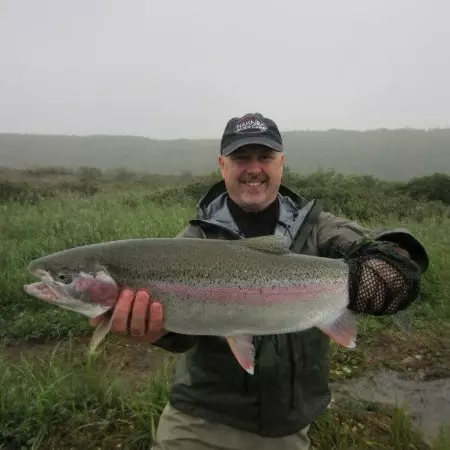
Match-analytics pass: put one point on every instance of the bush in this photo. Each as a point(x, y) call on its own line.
point(430, 188)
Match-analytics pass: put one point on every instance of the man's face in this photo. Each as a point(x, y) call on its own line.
point(252, 175)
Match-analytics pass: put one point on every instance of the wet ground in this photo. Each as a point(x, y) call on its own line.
point(391, 368)
point(427, 401)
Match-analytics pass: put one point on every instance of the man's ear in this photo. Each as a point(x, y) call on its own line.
point(221, 163)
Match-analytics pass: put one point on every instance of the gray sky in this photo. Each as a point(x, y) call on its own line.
point(182, 68)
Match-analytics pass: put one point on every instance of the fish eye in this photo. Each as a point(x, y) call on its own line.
point(64, 277)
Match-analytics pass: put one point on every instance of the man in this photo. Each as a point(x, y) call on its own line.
point(214, 404)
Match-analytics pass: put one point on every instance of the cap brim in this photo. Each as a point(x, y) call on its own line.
point(252, 140)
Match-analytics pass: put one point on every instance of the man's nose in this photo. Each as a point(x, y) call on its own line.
point(253, 165)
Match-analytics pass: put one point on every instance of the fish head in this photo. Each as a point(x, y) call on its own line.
point(75, 281)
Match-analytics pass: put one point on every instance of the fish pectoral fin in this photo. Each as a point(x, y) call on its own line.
point(100, 332)
point(267, 244)
point(244, 351)
point(342, 329)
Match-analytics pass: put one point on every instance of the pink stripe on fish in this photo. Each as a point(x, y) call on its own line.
point(254, 295)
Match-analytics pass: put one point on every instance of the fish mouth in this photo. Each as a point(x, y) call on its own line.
point(46, 289)
point(43, 291)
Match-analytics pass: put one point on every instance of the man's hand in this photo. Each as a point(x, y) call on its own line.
point(382, 287)
point(385, 272)
point(138, 316)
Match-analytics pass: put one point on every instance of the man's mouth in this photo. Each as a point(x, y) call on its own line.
point(253, 183)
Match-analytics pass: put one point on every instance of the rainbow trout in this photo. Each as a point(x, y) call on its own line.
point(229, 288)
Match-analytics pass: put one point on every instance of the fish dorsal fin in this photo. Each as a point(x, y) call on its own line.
point(267, 244)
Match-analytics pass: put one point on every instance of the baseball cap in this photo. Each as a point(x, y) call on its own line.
point(251, 128)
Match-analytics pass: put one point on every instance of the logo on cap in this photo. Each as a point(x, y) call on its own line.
point(250, 126)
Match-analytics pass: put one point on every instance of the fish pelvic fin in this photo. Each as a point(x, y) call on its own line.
point(100, 332)
point(244, 351)
point(268, 244)
point(341, 329)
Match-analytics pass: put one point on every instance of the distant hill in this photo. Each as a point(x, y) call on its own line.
point(398, 154)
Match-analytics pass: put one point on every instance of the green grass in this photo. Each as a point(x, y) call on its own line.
point(359, 425)
point(62, 402)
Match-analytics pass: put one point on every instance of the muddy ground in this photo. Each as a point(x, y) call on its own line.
point(412, 371)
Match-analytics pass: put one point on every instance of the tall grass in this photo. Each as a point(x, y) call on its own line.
point(61, 403)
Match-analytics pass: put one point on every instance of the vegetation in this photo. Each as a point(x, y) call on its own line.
point(53, 397)
point(398, 154)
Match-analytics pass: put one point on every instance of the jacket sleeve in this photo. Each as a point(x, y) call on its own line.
point(336, 234)
point(173, 342)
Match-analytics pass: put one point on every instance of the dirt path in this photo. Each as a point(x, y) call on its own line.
point(130, 358)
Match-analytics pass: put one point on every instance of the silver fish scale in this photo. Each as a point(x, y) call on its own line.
point(207, 317)
point(209, 261)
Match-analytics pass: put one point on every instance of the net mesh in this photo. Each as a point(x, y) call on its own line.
point(382, 280)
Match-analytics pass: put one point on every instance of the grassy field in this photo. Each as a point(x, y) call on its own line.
point(53, 397)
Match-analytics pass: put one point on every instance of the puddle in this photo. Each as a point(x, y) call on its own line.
point(428, 402)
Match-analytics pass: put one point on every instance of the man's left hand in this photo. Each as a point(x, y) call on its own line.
point(384, 288)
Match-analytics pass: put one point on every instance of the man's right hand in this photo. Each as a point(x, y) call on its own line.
point(132, 317)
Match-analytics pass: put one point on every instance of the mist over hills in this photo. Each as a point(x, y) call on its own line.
point(397, 154)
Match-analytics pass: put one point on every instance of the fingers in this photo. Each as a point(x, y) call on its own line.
point(390, 275)
point(403, 252)
point(122, 312)
point(136, 315)
point(139, 314)
point(156, 325)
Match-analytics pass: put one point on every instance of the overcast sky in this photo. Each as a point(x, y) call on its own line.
point(182, 68)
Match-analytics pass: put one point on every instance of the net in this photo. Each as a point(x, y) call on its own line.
point(382, 280)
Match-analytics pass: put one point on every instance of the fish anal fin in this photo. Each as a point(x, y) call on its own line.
point(267, 244)
point(342, 329)
point(244, 351)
